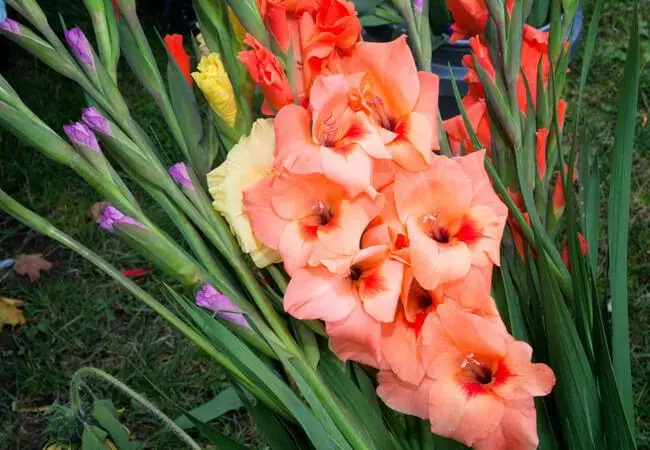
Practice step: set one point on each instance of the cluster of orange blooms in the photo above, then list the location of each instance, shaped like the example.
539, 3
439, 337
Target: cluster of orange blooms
389, 243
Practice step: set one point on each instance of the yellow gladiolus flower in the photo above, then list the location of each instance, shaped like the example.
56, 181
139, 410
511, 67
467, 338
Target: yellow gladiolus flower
213, 81
249, 161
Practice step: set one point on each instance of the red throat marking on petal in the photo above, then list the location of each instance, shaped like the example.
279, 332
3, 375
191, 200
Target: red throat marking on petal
469, 231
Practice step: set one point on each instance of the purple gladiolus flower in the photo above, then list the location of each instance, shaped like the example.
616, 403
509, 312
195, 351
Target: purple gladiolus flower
80, 134
80, 45
418, 5
111, 216
10, 26
96, 121
209, 298
179, 174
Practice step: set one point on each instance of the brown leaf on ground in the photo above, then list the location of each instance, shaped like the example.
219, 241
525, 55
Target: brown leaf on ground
31, 265
96, 210
9, 312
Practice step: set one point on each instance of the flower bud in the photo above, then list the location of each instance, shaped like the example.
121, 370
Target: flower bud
95, 120
10, 25
179, 174
209, 298
111, 216
82, 136
214, 82
80, 46
174, 43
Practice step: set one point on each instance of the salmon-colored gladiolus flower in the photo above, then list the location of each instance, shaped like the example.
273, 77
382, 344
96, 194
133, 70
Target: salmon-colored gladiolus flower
333, 29
274, 15
453, 217
174, 43
483, 382
373, 278
584, 247
459, 137
470, 17
338, 142
267, 72
402, 103
307, 218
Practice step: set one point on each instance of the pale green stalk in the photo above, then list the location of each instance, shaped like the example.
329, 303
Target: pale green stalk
76, 383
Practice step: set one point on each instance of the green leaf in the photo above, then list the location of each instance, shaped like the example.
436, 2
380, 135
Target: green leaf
619, 218
538, 16
308, 343
220, 440
226, 401
374, 21
93, 438
366, 7
106, 416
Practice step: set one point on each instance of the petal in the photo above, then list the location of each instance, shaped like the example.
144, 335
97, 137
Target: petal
486, 250
392, 68
443, 187
316, 293
296, 246
379, 290
294, 196
266, 224
482, 191
324, 89
399, 346
356, 337
343, 235
411, 149
472, 333
295, 148
518, 429
456, 415
526, 379
351, 167
434, 263
427, 104
404, 397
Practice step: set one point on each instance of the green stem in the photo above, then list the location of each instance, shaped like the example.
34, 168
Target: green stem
77, 382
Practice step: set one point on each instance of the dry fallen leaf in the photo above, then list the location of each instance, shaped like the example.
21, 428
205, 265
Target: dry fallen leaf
96, 210
31, 265
9, 312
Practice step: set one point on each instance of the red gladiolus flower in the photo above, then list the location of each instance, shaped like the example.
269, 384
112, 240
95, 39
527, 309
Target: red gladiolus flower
174, 43
565, 250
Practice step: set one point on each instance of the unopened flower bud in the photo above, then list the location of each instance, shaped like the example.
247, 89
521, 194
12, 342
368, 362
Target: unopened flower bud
179, 174
209, 298
10, 25
81, 135
111, 216
96, 121
80, 46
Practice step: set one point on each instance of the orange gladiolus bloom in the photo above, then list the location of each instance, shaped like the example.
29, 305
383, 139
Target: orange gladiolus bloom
484, 382
453, 217
338, 142
470, 17
334, 28
401, 103
267, 72
459, 137
307, 218
174, 43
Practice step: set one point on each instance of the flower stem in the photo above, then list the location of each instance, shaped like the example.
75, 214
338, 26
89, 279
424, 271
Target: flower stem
77, 382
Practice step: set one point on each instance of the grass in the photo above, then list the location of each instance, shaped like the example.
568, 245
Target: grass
77, 317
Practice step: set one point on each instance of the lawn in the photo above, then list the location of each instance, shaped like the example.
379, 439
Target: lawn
78, 317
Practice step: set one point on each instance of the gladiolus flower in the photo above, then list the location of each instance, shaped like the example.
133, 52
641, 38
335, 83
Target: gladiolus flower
558, 198
267, 72
334, 28
96, 121
213, 81
470, 17
584, 247
339, 143
248, 162
541, 137
209, 298
482, 379
111, 216
373, 279
459, 137
401, 103
81, 135
80, 46
174, 43
274, 15
307, 218
10, 25
179, 174
453, 217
